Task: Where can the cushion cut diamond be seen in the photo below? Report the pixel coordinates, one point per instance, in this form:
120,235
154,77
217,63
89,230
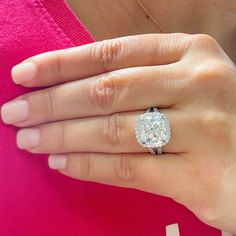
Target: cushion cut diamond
152,129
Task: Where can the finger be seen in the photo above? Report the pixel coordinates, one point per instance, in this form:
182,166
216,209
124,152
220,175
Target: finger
88,60
161,175
106,134
124,90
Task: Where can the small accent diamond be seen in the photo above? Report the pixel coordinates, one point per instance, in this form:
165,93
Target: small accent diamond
152,129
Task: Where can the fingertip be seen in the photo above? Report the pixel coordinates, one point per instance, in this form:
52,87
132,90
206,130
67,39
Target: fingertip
58,162
14,111
24,73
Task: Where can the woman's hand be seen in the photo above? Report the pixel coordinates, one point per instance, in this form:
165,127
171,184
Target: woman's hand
87,121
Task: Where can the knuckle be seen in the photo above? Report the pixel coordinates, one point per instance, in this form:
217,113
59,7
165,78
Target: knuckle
209,212
102,92
217,128
48,104
212,70
214,77
209,119
56,62
110,51
124,169
85,170
112,129
205,40
62,130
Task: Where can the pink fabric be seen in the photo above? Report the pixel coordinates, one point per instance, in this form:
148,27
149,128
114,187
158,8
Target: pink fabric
35,200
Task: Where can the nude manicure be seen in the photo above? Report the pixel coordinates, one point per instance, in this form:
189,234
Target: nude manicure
57,162
15,112
24,73
28,138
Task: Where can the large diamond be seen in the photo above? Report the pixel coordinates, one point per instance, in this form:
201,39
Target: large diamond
152,129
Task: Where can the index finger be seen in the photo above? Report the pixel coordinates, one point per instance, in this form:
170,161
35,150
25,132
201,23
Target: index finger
88,60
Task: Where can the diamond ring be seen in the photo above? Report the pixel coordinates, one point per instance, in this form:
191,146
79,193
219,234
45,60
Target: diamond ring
152,130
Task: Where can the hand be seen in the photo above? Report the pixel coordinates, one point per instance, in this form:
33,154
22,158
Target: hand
87,120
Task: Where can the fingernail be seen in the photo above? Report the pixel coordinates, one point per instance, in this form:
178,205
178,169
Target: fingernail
24,72
15,111
28,138
57,162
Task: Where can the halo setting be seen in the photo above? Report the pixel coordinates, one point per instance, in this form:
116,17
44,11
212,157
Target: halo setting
152,129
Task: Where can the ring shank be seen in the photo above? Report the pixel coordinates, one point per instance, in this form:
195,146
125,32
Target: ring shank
155,151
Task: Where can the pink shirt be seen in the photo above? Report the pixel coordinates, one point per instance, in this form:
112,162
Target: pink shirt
36,201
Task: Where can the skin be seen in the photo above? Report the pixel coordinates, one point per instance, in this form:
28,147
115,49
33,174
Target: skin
213,17
86,117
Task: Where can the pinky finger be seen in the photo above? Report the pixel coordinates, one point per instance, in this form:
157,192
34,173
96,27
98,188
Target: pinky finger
161,175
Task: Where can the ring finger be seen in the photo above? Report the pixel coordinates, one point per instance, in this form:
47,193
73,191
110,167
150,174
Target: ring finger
103,134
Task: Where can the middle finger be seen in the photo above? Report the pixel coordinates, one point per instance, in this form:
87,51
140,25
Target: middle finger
118,91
